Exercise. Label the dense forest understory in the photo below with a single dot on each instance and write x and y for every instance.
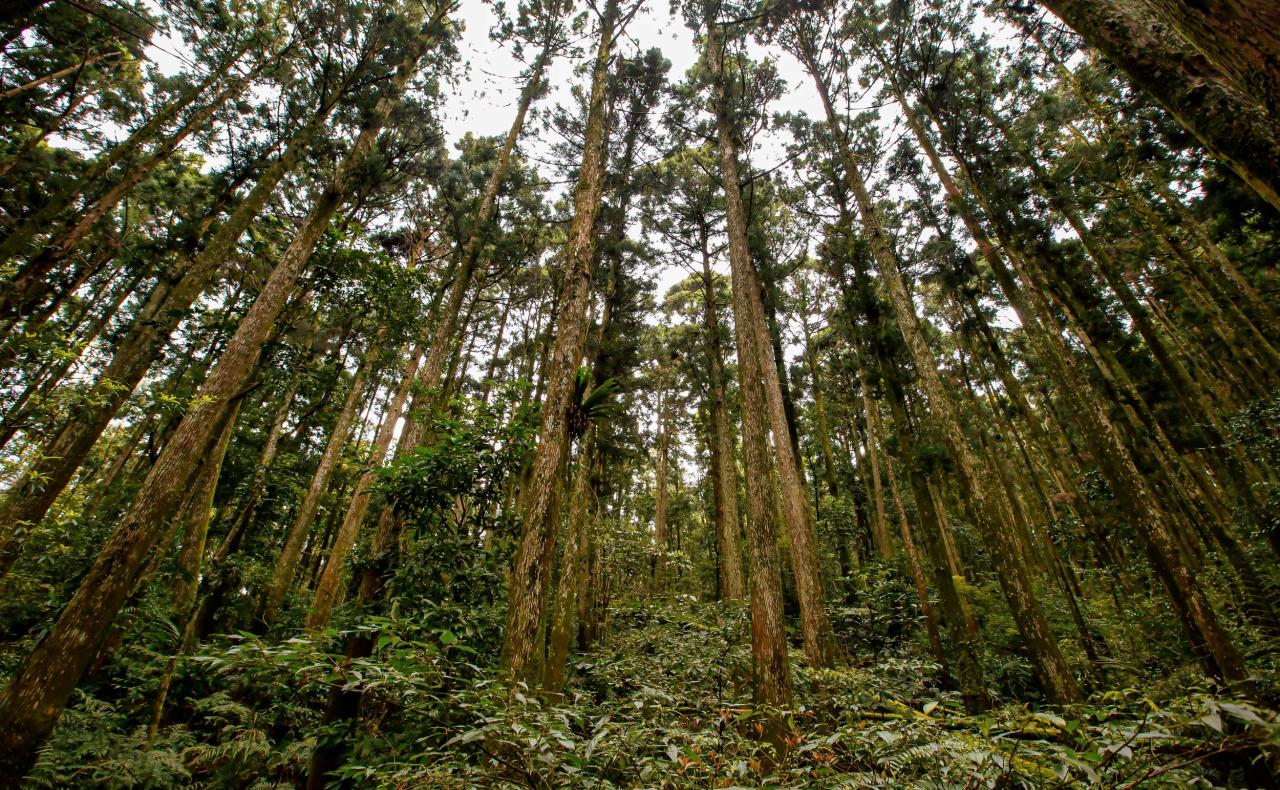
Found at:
(845, 394)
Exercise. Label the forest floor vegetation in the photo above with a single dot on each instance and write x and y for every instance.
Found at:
(664, 701)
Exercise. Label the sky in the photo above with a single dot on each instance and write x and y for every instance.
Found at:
(482, 101)
(485, 97)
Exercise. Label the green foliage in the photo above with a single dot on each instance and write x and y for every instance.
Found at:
(97, 745)
(881, 610)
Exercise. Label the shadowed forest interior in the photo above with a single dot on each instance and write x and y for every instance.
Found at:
(626, 393)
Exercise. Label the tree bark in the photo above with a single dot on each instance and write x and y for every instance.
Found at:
(724, 468)
(661, 540)
(802, 536)
(570, 556)
(196, 518)
(328, 588)
(771, 674)
(287, 565)
(1051, 668)
(30, 498)
(1228, 123)
(1240, 37)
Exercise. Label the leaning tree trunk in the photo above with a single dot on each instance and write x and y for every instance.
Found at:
(328, 588)
(1047, 660)
(65, 240)
(1105, 440)
(43, 682)
(1239, 37)
(21, 241)
(30, 498)
(1228, 123)
(446, 322)
(287, 564)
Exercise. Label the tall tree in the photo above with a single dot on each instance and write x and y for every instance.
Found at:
(39, 689)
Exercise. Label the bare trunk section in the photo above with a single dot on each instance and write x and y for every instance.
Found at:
(802, 537)
(196, 517)
(328, 588)
(772, 675)
(1240, 37)
(571, 557)
(724, 467)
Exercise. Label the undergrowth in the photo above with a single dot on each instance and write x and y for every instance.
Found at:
(663, 702)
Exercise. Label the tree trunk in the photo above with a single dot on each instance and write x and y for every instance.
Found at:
(801, 534)
(917, 573)
(530, 569)
(1104, 439)
(1241, 38)
(44, 681)
(329, 587)
(570, 556)
(30, 498)
(1051, 668)
(22, 240)
(287, 564)
(771, 674)
(724, 468)
(1228, 123)
(446, 322)
(661, 540)
(196, 518)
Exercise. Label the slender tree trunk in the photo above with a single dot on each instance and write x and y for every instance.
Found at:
(18, 90)
(881, 530)
(329, 587)
(1050, 667)
(570, 556)
(1104, 439)
(724, 467)
(446, 322)
(661, 540)
(771, 674)
(530, 569)
(917, 573)
(22, 240)
(801, 534)
(287, 564)
(30, 498)
(33, 143)
(196, 518)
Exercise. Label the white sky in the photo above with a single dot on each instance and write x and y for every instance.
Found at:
(485, 99)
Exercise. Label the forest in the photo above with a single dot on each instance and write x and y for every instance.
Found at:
(668, 394)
